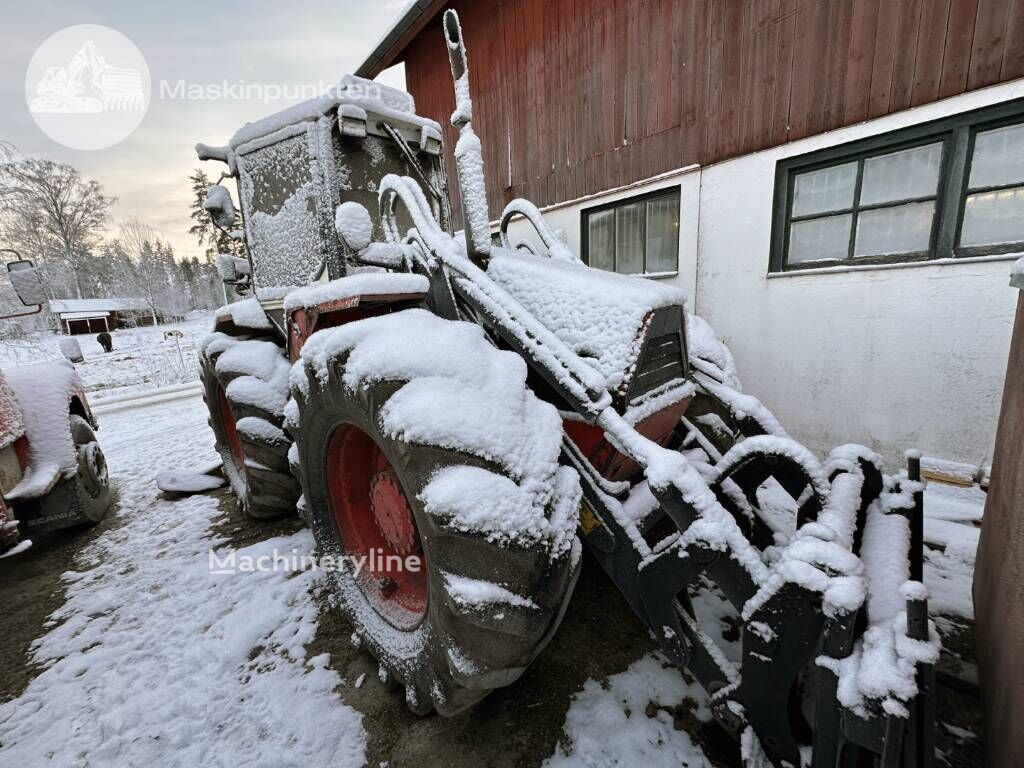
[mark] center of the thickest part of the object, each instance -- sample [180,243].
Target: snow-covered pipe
[469,161]
[555,247]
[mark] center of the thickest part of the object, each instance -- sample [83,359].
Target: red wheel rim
[227,418]
[375,526]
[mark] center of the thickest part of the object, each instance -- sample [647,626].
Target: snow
[11,424]
[475,593]
[353,224]
[219,205]
[231,267]
[70,348]
[740,404]
[556,248]
[1017,270]
[286,244]
[173,665]
[470,165]
[187,482]
[629,720]
[463,394]
[599,315]
[44,392]
[380,99]
[263,382]
[951,531]
[260,429]
[703,343]
[246,313]
[352,286]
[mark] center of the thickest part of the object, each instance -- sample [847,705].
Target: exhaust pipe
[469,162]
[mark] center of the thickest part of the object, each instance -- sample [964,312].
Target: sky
[292,45]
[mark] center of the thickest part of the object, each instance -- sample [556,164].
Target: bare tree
[50,211]
[137,239]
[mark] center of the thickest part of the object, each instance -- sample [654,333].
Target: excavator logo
[87,87]
[88,84]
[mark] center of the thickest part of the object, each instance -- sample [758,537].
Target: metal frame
[671,191]
[956,133]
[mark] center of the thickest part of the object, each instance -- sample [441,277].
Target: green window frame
[943,189]
[637,235]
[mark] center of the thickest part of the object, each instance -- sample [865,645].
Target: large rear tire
[364,488]
[247,430]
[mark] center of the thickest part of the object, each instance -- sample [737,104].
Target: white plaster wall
[892,358]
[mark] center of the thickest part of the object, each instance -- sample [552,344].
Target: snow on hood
[44,394]
[598,314]
[11,425]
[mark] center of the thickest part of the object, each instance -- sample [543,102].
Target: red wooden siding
[573,97]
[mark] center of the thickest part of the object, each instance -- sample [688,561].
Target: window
[637,236]
[949,188]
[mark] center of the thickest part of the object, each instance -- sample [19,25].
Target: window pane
[994,217]
[998,157]
[629,242]
[901,175]
[663,234]
[829,189]
[819,239]
[900,229]
[601,240]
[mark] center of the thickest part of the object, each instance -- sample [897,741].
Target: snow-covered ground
[152,660]
[142,358]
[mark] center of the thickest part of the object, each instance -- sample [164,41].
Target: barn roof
[389,49]
[66,306]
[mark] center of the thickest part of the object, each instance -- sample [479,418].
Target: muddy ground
[517,726]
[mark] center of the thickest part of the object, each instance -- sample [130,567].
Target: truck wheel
[479,610]
[92,484]
[249,438]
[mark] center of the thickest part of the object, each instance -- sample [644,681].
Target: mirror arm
[36,311]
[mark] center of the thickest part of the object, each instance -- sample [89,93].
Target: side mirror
[26,282]
[232,269]
[218,203]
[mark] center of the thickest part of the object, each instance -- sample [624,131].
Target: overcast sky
[202,42]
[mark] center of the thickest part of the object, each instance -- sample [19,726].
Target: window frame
[670,191]
[956,133]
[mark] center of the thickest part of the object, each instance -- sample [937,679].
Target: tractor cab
[294,168]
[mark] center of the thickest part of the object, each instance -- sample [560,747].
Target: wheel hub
[374,522]
[391,513]
[92,468]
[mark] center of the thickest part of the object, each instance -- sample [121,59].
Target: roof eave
[390,48]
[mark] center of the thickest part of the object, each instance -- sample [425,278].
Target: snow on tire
[415,436]
[245,386]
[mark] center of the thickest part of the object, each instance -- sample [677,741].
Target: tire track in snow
[155,661]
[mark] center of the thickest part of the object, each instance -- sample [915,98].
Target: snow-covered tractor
[488,408]
[53,474]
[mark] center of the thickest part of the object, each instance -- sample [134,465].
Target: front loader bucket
[831,621]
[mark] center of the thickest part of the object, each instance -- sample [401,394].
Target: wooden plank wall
[574,97]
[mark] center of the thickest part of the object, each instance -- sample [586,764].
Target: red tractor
[486,409]
[53,473]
